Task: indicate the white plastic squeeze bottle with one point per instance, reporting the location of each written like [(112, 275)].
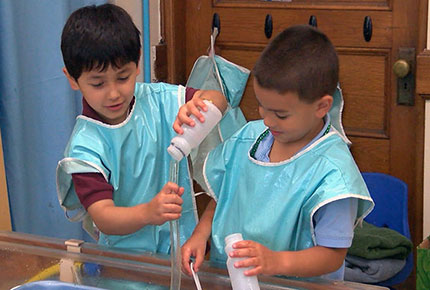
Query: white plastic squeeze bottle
[(181, 145), (237, 277)]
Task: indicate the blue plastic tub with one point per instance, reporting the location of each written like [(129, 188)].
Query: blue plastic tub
[(107, 284), (53, 285)]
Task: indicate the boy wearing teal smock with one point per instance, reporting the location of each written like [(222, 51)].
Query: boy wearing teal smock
[(115, 170), (287, 182)]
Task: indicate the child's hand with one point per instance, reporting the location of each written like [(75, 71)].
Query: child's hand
[(192, 107), (258, 256), (195, 247), (166, 205)]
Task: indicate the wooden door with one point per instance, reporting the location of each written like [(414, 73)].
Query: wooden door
[(387, 137)]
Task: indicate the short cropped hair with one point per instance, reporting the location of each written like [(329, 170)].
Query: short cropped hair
[(301, 60), (95, 37)]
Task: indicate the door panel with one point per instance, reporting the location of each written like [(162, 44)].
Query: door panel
[(368, 96), (371, 154), (323, 4), (386, 137), (246, 26)]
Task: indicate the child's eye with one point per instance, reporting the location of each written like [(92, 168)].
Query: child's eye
[(123, 78), (280, 116), (97, 85)]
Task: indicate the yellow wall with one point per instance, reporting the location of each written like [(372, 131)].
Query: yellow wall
[(4, 201)]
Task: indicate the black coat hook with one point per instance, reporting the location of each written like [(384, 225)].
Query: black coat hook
[(367, 28), (313, 21), (216, 22), (268, 26)]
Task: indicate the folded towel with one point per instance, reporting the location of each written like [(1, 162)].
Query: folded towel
[(372, 242), (423, 265), (371, 271)]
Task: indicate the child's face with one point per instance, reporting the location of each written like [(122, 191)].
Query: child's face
[(108, 92), (291, 121)]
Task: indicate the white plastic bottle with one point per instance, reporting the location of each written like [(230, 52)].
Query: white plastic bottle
[(237, 277), (181, 145)]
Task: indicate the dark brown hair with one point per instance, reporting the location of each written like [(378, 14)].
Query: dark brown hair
[(302, 60), (95, 37)]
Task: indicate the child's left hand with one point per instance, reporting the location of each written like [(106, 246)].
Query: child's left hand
[(192, 107), (258, 256)]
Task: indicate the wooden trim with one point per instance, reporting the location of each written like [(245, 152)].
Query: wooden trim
[(300, 4), (173, 34), (423, 67), (423, 58), (422, 25), (422, 90), (5, 223), (160, 63), (416, 205)]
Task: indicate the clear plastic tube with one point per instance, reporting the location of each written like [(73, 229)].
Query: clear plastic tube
[(175, 245)]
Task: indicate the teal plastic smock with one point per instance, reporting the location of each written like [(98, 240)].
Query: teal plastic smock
[(213, 72), (132, 157), (274, 203)]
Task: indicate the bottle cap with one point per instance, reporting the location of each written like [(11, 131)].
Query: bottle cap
[(179, 148), (175, 152), (230, 239)]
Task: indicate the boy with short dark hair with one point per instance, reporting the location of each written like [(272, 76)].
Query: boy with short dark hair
[(116, 161), (288, 182)]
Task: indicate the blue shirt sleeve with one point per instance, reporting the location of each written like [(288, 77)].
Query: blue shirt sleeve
[(334, 223)]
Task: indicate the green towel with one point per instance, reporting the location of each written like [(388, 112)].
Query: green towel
[(372, 242), (423, 265)]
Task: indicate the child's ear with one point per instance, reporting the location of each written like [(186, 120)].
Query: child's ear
[(138, 69), (324, 105), (73, 83), (138, 63)]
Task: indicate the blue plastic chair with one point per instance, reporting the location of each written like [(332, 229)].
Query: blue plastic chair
[(390, 195)]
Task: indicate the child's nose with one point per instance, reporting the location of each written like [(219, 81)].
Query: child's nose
[(268, 120), (113, 92)]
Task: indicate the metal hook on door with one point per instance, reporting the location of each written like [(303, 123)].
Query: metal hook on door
[(268, 26), (367, 28), (313, 21), (216, 23), (216, 26)]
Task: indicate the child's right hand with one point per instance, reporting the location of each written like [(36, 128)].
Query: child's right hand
[(166, 205), (196, 105), (195, 247), (192, 107)]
